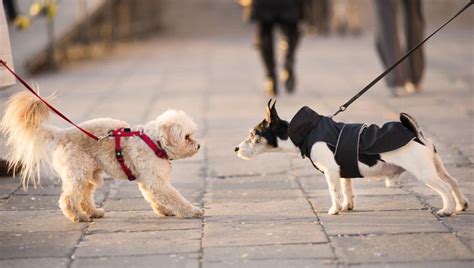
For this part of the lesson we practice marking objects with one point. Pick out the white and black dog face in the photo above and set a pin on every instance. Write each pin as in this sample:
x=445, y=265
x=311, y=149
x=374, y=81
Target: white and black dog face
x=264, y=137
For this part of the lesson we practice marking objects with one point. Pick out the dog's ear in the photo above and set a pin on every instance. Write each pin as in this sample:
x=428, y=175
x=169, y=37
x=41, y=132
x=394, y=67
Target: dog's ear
x=268, y=113
x=273, y=112
x=172, y=134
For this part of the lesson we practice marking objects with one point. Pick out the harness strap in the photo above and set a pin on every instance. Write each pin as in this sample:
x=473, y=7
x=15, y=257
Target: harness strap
x=126, y=132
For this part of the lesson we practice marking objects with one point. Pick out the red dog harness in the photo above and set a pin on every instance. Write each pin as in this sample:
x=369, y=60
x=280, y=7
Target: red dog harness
x=126, y=132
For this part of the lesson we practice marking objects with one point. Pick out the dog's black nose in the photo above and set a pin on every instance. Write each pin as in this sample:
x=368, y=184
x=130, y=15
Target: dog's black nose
x=199, y=146
x=236, y=149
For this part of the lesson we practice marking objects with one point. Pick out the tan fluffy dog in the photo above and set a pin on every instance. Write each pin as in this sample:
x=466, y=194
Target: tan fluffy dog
x=81, y=161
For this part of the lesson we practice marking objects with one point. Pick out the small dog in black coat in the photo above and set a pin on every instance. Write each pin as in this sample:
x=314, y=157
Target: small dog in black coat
x=344, y=151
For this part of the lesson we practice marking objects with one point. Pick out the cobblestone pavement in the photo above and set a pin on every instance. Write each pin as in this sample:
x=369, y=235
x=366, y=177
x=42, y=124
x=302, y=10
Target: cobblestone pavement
x=269, y=212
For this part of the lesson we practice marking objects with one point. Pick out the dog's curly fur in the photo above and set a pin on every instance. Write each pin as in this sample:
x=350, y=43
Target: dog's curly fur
x=81, y=161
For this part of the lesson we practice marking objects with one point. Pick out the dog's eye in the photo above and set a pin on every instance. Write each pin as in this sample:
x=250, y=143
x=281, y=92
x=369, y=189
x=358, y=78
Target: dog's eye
x=187, y=137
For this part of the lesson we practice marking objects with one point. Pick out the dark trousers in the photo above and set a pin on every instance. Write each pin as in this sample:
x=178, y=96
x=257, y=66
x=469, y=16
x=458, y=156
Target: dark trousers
x=10, y=9
x=388, y=42
x=265, y=44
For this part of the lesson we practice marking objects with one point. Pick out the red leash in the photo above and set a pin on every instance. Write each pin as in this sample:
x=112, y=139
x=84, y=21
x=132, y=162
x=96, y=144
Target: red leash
x=46, y=103
x=117, y=134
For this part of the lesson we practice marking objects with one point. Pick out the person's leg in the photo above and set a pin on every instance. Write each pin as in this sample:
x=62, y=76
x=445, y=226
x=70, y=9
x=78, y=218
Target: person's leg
x=414, y=31
x=388, y=43
x=10, y=9
x=265, y=47
x=291, y=36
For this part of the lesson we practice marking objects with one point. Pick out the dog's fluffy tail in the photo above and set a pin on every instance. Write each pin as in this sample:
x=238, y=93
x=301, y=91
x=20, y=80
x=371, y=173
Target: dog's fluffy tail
x=27, y=137
x=410, y=122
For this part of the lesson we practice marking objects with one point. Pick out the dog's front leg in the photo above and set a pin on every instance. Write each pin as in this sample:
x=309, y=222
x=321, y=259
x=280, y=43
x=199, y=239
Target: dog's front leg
x=164, y=196
x=348, y=195
x=157, y=208
x=334, y=185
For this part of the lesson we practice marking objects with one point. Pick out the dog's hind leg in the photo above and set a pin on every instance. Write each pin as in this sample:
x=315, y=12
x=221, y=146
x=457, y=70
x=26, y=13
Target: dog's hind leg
x=74, y=176
x=461, y=202
x=418, y=160
x=348, y=195
x=72, y=197
x=88, y=203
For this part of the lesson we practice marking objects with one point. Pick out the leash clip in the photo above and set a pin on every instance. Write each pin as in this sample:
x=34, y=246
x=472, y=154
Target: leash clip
x=108, y=135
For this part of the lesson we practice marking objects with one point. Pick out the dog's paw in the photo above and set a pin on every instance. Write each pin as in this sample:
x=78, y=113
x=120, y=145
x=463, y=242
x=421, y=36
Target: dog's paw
x=81, y=218
x=392, y=183
x=347, y=206
x=462, y=206
x=98, y=213
x=334, y=210
x=197, y=212
x=194, y=212
x=444, y=213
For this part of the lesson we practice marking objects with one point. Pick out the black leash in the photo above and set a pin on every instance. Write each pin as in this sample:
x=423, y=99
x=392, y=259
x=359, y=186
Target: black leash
x=366, y=88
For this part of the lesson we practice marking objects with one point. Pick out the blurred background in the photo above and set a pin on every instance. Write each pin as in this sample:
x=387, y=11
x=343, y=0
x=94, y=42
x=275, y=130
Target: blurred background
x=84, y=29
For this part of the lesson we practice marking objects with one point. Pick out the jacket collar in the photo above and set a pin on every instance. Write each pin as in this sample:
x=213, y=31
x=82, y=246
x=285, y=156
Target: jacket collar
x=304, y=121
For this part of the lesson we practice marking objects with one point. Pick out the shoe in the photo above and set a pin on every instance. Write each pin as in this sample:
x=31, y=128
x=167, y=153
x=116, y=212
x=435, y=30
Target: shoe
x=288, y=77
x=411, y=87
x=271, y=87
x=399, y=92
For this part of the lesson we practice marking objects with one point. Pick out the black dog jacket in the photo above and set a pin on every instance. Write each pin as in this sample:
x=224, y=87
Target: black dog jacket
x=350, y=143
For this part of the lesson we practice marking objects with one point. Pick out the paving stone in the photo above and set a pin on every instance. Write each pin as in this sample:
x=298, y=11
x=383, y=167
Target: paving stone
x=259, y=211
x=270, y=182
x=372, y=203
x=271, y=252
x=45, y=190
x=35, y=262
x=34, y=203
x=187, y=172
x=406, y=248
x=139, y=243
x=37, y=244
x=127, y=204
x=39, y=202
x=219, y=234
x=382, y=222
x=246, y=196
x=8, y=185
x=462, y=225
x=132, y=221
x=422, y=190
x=33, y=221
x=283, y=263
x=437, y=264
x=125, y=191
x=230, y=165
x=170, y=260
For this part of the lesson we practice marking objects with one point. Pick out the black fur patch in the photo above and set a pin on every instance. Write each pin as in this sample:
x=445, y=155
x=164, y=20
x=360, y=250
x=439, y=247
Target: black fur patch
x=271, y=132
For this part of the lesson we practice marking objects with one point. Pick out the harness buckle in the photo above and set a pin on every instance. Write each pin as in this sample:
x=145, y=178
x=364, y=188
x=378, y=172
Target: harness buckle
x=119, y=155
